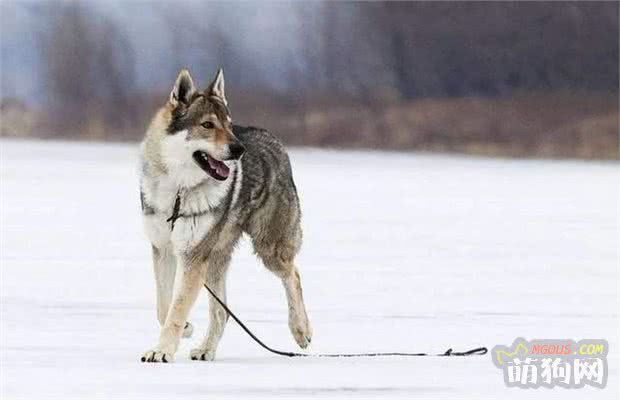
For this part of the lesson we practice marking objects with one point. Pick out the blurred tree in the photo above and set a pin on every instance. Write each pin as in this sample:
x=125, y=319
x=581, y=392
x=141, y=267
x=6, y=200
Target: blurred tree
x=70, y=62
x=90, y=73
x=115, y=78
x=475, y=48
x=370, y=57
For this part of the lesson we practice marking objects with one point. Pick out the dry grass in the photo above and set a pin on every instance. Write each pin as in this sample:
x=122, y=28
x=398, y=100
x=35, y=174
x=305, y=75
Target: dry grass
x=561, y=124
x=568, y=124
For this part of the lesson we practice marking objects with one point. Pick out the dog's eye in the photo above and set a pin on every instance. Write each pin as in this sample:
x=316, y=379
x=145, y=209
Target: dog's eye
x=208, y=125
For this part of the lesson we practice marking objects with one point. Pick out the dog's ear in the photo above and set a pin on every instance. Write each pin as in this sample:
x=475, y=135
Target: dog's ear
x=216, y=88
x=183, y=89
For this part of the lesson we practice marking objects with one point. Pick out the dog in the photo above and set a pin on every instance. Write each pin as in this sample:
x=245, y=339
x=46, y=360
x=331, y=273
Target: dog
x=204, y=182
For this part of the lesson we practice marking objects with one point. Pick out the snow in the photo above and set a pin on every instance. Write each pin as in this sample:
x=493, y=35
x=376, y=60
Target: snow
x=402, y=252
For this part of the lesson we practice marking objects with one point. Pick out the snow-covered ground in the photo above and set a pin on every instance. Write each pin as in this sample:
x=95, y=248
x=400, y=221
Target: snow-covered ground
x=402, y=252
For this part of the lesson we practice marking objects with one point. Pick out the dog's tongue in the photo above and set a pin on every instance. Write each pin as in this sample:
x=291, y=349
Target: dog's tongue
x=219, y=167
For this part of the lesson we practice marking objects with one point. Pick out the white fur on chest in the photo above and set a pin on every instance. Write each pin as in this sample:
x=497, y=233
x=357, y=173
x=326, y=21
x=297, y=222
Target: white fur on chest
x=193, y=224
x=195, y=212
x=187, y=233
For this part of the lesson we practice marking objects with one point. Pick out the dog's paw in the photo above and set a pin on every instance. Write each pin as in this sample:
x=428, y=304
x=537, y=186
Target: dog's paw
x=302, y=332
x=157, y=356
x=188, y=330
x=201, y=354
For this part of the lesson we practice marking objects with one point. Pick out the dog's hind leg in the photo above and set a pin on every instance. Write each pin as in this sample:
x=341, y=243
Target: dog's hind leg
x=279, y=259
x=165, y=267
x=297, y=317
x=216, y=280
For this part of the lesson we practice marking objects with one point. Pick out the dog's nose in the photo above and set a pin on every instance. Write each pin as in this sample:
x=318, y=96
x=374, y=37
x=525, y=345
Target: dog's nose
x=236, y=150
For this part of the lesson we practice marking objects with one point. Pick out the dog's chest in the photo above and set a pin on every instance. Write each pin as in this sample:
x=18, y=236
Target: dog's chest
x=197, y=213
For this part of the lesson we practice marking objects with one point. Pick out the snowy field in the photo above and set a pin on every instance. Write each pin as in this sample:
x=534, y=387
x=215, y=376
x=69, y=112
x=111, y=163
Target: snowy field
x=402, y=252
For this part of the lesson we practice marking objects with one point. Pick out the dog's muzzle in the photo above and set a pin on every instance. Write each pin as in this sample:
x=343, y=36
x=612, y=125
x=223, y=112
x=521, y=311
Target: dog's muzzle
x=236, y=150
x=215, y=168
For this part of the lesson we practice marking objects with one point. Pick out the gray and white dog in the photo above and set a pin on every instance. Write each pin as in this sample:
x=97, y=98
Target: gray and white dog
x=205, y=182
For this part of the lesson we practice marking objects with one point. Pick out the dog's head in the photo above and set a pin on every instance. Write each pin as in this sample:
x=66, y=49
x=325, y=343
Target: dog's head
x=200, y=127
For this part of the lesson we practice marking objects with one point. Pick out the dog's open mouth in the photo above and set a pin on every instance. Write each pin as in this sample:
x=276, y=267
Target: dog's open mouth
x=216, y=168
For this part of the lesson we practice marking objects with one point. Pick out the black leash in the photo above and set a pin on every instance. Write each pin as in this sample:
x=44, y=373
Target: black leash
x=477, y=351
x=175, y=211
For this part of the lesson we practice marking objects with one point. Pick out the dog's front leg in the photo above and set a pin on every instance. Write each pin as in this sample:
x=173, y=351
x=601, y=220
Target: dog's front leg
x=216, y=280
x=192, y=280
x=164, y=265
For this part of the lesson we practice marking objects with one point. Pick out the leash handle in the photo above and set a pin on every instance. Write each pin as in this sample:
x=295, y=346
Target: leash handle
x=449, y=353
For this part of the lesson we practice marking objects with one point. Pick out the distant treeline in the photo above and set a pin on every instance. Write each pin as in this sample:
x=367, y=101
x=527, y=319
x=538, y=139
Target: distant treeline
x=373, y=57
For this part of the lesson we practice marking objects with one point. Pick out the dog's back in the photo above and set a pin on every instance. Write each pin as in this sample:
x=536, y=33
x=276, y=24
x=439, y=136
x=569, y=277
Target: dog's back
x=267, y=204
